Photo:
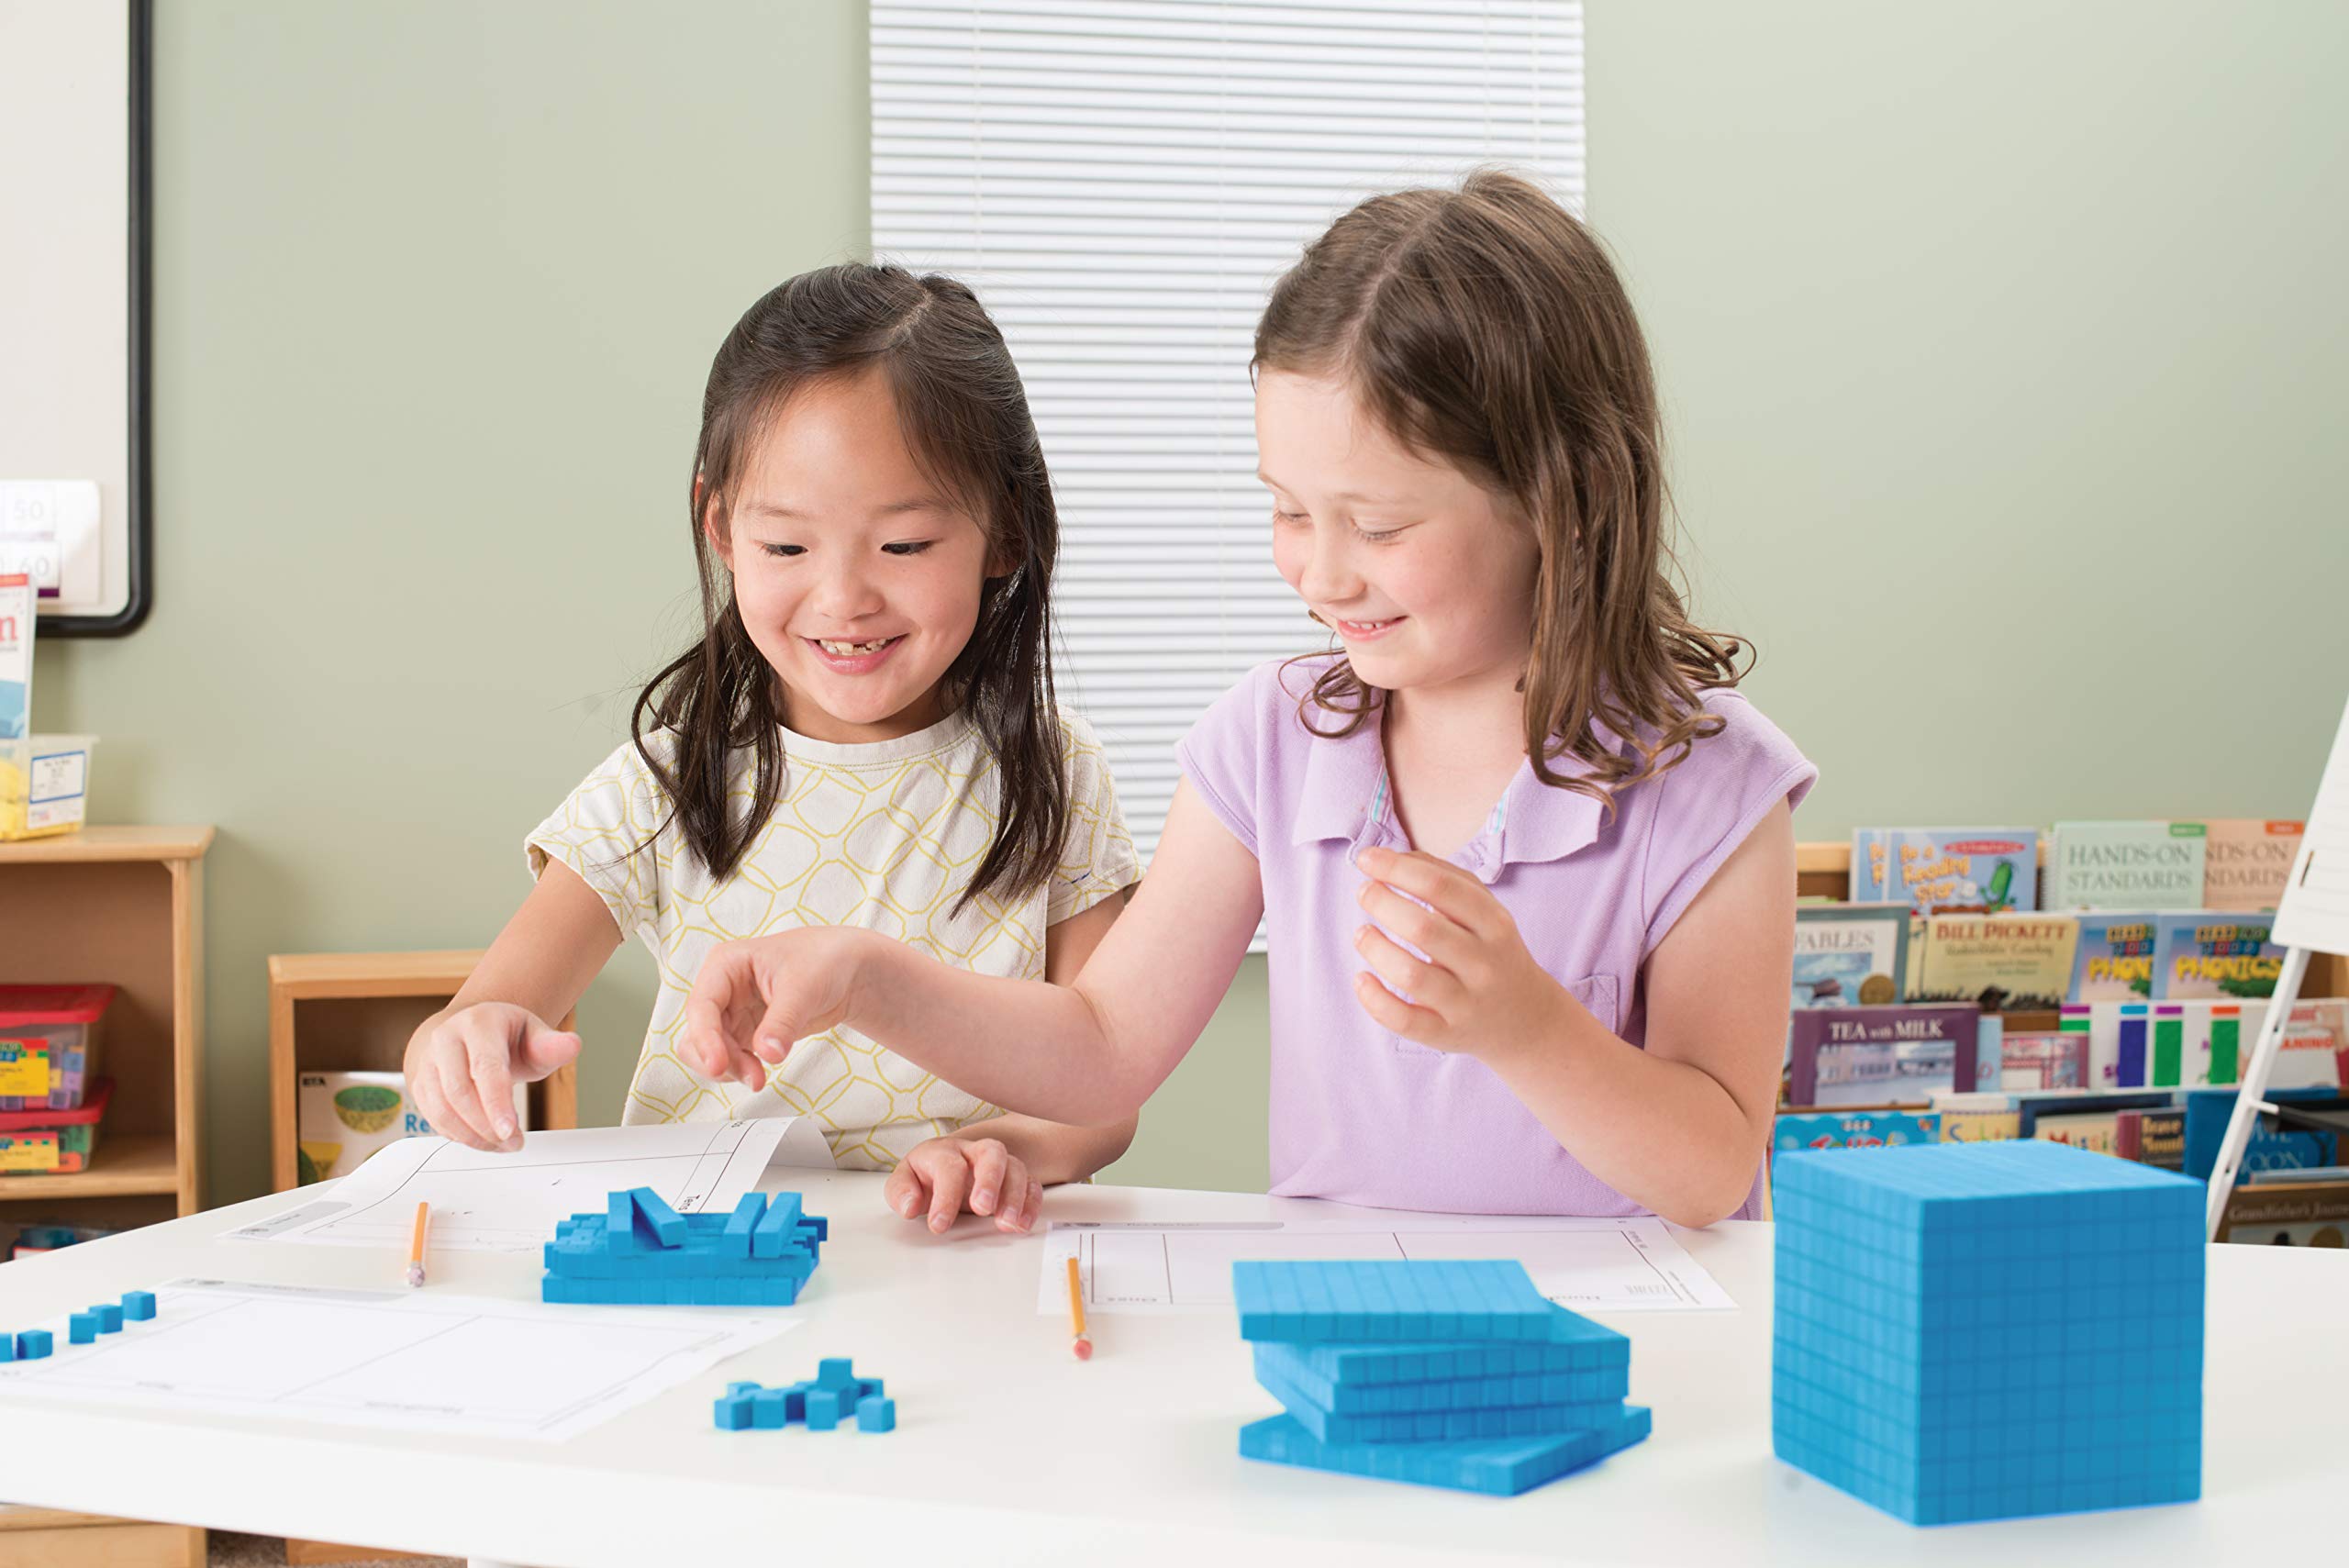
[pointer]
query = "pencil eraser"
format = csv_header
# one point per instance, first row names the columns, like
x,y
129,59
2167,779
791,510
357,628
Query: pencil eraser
x,y
1083,1348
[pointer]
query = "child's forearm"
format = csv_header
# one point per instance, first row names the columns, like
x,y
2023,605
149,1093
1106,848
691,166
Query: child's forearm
x,y
1620,1111
1052,1151
1043,1049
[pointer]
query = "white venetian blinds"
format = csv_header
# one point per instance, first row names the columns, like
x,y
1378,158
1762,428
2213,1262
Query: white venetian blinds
x,y
1121,181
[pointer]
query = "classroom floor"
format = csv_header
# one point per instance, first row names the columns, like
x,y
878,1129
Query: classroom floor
x,y
231,1551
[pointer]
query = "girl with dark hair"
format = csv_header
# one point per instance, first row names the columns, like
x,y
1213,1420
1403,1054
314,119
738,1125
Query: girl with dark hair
x,y
1524,858
864,736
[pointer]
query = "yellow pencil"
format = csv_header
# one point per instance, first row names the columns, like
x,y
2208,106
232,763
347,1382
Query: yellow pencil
x,y
415,1247
1078,1341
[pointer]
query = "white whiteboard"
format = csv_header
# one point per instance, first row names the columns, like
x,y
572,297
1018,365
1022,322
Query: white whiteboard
x,y
73,232
2315,911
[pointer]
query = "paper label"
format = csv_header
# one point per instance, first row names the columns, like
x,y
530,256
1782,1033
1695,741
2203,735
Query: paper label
x,y
24,1067
29,1152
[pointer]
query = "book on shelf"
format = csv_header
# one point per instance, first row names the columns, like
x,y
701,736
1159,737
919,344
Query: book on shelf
x,y
2087,1121
2302,1176
2152,1137
1880,1056
1998,961
2125,865
2204,1042
1850,954
1855,1130
2297,1214
2098,1132
2043,1059
2246,860
1978,1117
2113,960
1957,871
2211,952
2207,1112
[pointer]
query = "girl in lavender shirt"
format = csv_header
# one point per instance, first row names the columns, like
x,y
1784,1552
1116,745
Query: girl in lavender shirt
x,y
1525,858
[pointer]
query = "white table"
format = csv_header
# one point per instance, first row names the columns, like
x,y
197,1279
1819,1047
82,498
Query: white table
x,y
1009,1450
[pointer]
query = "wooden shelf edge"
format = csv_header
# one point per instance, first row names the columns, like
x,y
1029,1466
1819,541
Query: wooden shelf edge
x,y
319,976
129,1164
93,845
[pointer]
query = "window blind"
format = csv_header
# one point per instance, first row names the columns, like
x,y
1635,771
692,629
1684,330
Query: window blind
x,y
1121,181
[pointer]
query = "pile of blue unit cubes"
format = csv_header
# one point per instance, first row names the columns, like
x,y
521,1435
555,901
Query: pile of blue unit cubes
x,y
642,1252
1988,1330
1451,1374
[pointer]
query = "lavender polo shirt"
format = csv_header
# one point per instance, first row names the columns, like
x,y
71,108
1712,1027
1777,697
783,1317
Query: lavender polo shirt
x,y
1364,1116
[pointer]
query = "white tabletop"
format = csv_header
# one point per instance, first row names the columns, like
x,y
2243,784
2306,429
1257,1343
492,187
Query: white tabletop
x,y
1009,1450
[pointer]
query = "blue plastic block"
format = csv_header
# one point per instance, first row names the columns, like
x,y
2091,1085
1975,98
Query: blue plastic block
x,y
823,1409
1575,1344
138,1305
1389,1300
1988,1330
7,1347
1292,1364
734,1242
82,1328
620,1219
776,1229
1440,1425
653,1211
1499,1466
835,1372
733,1413
109,1317
32,1345
874,1414
771,1409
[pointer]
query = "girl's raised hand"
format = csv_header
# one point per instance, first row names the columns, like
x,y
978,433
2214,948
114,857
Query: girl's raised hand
x,y
1479,989
462,1070
755,996
946,1175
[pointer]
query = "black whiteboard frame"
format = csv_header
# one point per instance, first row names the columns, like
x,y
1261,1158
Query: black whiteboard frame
x,y
138,470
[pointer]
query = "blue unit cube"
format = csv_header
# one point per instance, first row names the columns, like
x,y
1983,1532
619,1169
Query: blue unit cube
x,y
82,1328
876,1414
32,1345
109,1317
1988,1330
138,1305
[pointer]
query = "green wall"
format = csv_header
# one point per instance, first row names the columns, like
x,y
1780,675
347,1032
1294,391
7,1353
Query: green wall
x,y
2002,348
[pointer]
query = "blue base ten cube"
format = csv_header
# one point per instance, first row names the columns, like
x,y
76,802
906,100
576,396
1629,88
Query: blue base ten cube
x,y
1987,1330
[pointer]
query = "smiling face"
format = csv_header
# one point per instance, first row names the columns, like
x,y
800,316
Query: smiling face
x,y
1425,576
857,579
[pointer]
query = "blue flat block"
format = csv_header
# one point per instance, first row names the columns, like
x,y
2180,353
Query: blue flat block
x,y
732,1413
1499,1467
1439,1426
1386,1301
654,1213
735,1242
1576,1345
824,1406
874,1414
556,1288
109,1317
138,1305
82,1328
32,1345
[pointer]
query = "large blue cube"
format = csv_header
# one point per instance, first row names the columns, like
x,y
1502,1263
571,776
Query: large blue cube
x,y
1987,1330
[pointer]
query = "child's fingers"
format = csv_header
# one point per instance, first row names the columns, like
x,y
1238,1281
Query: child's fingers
x,y
1020,1215
1396,1016
906,1191
488,1058
545,1052
461,1118
950,1183
723,990
1437,882
1430,985
1437,935
990,1161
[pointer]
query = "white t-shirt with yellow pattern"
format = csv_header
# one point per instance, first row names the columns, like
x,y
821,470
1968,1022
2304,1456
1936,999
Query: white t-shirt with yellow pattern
x,y
883,835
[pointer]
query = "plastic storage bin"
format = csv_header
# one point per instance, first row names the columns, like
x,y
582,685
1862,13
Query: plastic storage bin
x,y
49,1037
52,1143
44,784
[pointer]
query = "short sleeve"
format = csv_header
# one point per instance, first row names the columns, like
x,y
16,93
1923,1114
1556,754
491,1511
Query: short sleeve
x,y
1097,856
1710,802
1218,756
605,832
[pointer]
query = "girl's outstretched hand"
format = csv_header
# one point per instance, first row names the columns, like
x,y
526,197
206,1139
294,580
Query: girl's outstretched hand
x,y
941,1178
462,1070
1478,990
755,996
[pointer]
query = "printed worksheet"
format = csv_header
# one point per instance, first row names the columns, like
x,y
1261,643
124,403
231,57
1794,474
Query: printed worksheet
x,y
510,1203
413,1360
1590,1266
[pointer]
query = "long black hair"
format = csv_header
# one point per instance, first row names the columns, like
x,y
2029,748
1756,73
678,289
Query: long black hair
x,y
965,417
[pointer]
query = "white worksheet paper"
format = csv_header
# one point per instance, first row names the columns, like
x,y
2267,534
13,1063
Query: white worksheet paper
x,y
511,1203
1590,1266
413,1360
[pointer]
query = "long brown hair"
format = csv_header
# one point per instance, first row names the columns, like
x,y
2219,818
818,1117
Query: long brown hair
x,y
965,417
1485,328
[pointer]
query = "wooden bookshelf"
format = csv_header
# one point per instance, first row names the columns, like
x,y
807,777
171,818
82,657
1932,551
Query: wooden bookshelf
x,y
355,1012
124,906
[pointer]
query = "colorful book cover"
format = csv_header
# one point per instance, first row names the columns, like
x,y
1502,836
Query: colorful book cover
x,y
2057,1061
1848,954
17,605
2097,1132
1956,871
2209,953
2114,958
2311,1214
2151,1138
1977,1118
1855,1130
1999,963
2125,865
2246,860
2207,1114
1879,1056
